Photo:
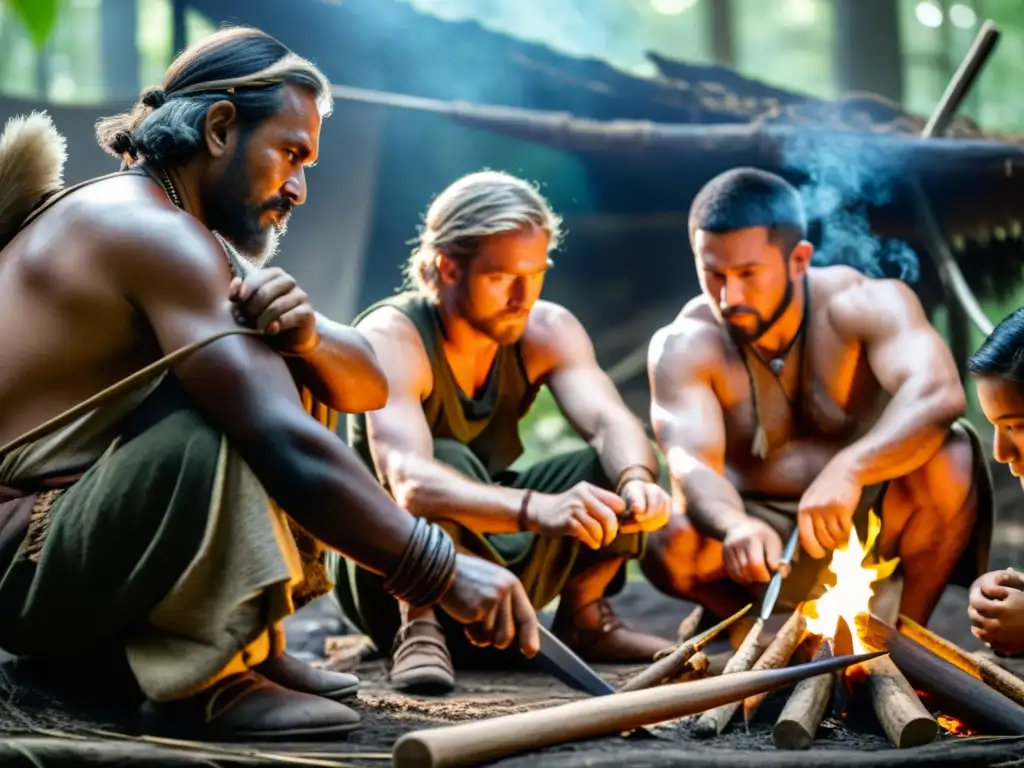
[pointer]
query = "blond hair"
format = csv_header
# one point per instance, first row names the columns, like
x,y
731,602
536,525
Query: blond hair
x,y
474,207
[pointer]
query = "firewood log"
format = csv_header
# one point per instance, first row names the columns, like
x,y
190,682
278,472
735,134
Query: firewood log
x,y
902,715
776,655
1000,679
673,661
798,723
713,721
958,693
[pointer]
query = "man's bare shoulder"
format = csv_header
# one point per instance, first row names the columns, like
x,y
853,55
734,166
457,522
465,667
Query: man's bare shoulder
x,y
548,319
693,342
390,324
856,307
128,231
399,348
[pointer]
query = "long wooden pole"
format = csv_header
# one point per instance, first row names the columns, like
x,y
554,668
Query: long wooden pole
x,y
486,740
1003,681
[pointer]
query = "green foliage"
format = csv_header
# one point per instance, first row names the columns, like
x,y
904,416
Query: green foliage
x,y
38,16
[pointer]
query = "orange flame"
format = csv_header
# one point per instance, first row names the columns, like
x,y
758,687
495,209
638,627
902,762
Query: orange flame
x,y
853,589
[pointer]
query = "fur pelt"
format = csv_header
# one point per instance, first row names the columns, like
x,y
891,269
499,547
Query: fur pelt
x,y
32,155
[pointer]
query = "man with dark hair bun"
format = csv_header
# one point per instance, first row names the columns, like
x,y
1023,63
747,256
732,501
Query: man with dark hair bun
x,y
789,395
170,480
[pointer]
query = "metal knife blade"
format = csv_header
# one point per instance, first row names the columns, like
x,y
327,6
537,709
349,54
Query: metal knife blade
x,y
558,659
771,594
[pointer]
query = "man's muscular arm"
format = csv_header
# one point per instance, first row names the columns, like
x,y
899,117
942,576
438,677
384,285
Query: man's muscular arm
x,y
342,371
403,448
689,426
559,353
914,365
245,389
332,360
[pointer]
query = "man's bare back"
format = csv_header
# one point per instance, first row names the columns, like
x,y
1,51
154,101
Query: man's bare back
x,y
842,395
67,277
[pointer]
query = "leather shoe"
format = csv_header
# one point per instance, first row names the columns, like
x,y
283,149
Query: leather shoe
x,y
291,673
249,707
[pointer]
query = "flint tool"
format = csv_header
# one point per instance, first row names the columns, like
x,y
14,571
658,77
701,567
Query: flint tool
x,y
556,658
771,594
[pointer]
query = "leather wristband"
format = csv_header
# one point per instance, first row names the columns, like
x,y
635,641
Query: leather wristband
x,y
522,519
634,472
427,568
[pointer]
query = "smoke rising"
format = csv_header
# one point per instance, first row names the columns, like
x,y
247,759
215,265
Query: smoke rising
x,y
845,177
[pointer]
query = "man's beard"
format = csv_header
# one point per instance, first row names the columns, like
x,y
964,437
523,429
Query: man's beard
x,y
228,210
763,325
499,328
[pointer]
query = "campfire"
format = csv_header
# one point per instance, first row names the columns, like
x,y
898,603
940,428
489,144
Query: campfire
x,y
858,613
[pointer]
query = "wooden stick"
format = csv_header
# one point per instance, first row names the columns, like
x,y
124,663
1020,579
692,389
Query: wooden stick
x,y
805,708
713,721
776,655
695,669
488,740
902,715
1000,679
959,694
688,626
670,664
984,669
705,637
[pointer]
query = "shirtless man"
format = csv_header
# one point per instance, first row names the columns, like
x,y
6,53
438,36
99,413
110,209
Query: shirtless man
x,y
791,395
465,352
175,522
996,600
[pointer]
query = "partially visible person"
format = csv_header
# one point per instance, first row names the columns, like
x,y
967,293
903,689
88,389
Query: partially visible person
x,y
996,601
165,496
465,351
787,395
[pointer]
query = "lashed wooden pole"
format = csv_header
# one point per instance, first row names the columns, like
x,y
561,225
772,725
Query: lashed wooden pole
x,y
800,718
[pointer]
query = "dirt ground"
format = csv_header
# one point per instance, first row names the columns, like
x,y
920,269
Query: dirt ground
x,y
388,715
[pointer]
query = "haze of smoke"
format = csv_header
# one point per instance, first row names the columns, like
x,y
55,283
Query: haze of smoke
x,y
846,176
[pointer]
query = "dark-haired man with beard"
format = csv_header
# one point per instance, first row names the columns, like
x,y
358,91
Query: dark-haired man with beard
x,y
788,395
465,352
169,482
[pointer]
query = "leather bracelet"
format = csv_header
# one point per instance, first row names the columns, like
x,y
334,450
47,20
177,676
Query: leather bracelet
x,y
522,520
634,472
427,568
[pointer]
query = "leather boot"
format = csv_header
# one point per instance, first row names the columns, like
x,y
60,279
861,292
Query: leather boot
x,y
599,636
420,661
291,673
249,707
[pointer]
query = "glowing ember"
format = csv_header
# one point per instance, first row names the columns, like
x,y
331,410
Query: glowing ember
x,y
853,588
954,726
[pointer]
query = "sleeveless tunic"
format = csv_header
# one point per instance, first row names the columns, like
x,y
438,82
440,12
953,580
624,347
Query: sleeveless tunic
x,y
487,424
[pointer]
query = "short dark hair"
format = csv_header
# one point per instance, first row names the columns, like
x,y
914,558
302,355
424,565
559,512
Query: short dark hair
x,y
749,197
241,64
1002,353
